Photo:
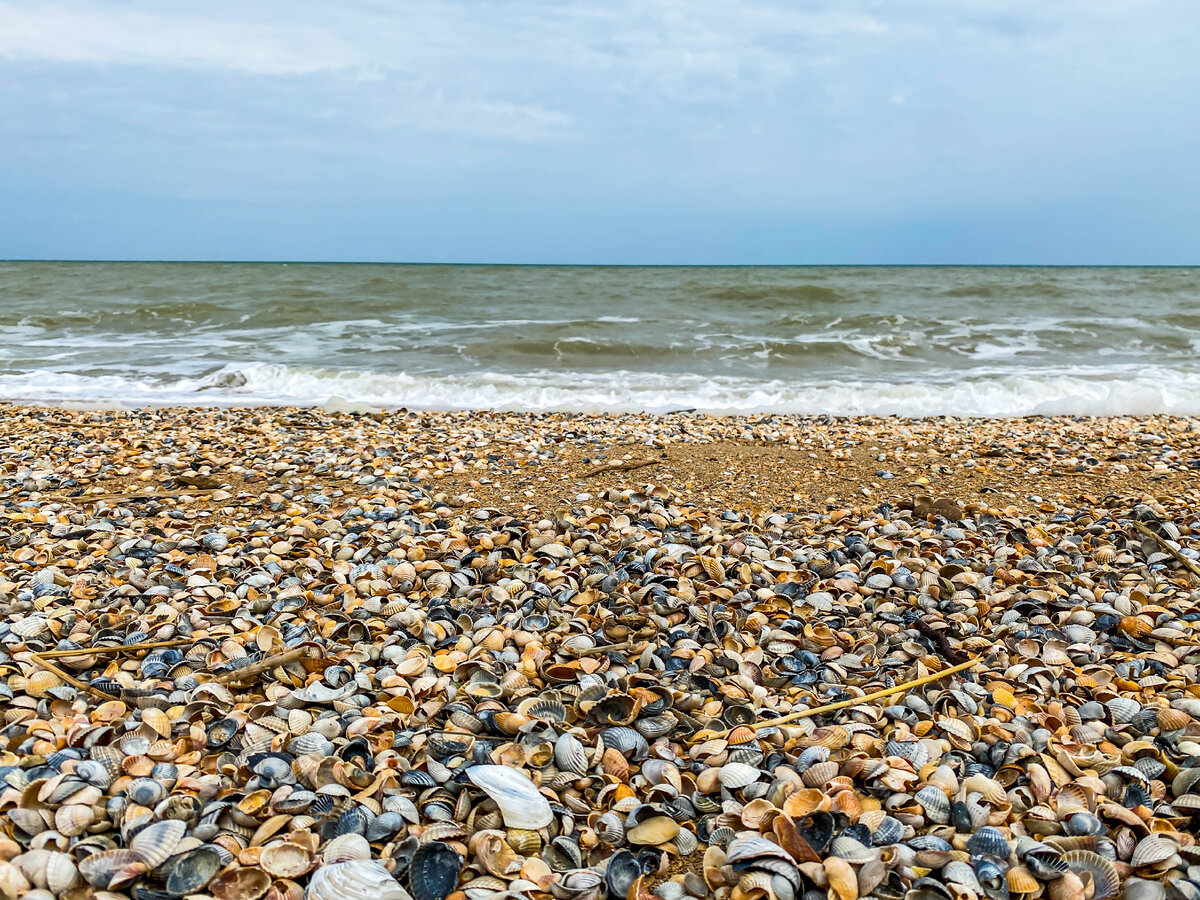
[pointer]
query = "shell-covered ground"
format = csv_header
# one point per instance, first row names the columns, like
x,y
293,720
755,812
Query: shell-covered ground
x,y
280,653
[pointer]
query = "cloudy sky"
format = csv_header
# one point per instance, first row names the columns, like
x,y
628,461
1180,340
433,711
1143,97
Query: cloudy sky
x,y
627,131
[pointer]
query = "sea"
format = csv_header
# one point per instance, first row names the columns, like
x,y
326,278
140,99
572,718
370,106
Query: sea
x,y
908,341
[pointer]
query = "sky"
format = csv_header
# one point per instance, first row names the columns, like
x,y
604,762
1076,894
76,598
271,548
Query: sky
x,y
614,131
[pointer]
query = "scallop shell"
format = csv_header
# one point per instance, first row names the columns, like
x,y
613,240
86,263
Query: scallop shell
x,y
361,879
520,803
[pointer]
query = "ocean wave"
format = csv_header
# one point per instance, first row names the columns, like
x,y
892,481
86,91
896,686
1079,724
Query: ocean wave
x,y
1025,392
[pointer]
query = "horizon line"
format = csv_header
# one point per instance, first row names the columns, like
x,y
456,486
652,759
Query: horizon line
x,y
601,265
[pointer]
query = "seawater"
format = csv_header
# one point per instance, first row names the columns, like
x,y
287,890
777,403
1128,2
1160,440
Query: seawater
x,y
840,340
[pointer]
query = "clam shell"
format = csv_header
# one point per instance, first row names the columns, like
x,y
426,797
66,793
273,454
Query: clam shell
x,y
434,871
355,879
192,871
286,860
112,868
520,803
654,831
935,803
1153,850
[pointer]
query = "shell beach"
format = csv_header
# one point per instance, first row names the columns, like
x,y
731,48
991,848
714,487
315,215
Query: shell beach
x,y
281,653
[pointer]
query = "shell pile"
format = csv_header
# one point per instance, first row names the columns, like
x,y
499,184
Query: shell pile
x,y
389,697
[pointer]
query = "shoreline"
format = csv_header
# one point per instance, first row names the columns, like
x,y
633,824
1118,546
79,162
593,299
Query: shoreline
x,y
544,461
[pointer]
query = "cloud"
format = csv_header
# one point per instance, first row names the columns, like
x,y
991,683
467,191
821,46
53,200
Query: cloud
x,y
125,36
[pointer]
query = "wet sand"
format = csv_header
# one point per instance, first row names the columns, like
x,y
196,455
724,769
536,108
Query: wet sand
x,y
523,463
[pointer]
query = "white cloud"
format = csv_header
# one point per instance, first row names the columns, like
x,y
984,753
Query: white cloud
x,y
92,34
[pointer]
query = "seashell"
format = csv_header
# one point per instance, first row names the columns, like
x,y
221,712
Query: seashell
x,y
622,871
434,870
286,860
935,803
1105,879
1172,719
843,882
989,841
240,884
361,879
192,871
1123,709
59,873
74,819
1083,823
1022,881
736,776
747,849
852,851
520,803
888,831
112,868
155,843
654,831
346,847
1153,850
818,774
569,754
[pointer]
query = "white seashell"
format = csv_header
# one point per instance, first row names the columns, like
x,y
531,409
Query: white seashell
x,y
319,692
360,879
569,754
737,775
60,873
346,848
520,803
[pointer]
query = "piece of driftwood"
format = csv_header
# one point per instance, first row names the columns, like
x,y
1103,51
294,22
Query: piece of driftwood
x,y
1190,564
853,701
247,672
41,659
601,649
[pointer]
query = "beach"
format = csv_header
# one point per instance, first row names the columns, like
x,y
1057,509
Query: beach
x,y
605,615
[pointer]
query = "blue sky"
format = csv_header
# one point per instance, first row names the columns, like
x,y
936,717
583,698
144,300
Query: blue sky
x,y
623,131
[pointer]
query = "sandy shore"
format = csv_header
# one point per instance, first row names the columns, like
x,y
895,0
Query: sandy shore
x,y
584,656
538,463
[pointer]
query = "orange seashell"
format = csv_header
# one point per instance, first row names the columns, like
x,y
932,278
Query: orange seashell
x,y
614,764
1170,719
742,734
1135,626
843,881
802,802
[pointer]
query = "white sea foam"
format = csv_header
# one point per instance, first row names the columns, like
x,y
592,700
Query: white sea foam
x,y
986,393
